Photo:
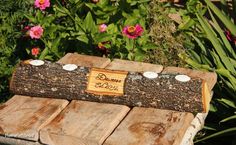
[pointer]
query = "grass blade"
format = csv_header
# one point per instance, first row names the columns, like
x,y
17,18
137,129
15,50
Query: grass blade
x,y
228,119
227,22
222,35
215,42
223,132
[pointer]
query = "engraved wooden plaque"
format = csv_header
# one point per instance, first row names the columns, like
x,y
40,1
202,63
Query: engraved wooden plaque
x,y
106,82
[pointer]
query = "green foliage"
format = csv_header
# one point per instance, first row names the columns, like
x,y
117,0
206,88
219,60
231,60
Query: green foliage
x,y
11,21
214,51
74,26
70,26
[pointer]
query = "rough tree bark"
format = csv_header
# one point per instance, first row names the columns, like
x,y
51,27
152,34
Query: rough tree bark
x,y
163,92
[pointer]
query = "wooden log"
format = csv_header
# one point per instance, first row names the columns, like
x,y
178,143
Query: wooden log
x,y
209,77
163,92
198,122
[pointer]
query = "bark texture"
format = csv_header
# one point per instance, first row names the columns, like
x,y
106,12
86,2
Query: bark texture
x,y
164,92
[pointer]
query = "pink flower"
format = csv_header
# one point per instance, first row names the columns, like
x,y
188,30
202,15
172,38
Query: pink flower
x,y
42,4
36,32
35,51
102,28
133,32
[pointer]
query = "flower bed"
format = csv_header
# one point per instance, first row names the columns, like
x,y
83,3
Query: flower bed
x,y
134,30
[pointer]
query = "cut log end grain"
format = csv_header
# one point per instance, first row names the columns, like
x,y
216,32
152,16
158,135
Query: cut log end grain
x,y
164,92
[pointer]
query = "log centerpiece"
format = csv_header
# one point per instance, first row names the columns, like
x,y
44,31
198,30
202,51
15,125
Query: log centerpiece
x,y
127,88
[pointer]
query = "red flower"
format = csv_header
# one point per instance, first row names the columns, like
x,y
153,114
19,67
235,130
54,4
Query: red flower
x,y
133,32
35,51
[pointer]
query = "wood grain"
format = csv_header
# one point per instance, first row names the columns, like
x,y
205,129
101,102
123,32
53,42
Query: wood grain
x,y
198,122
23,116
84,60
112,80
14,141
144,126
83,123
132,66
148,126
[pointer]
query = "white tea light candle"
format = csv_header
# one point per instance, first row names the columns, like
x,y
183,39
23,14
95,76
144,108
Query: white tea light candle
x,y
70,67
182,78
36,62
150,75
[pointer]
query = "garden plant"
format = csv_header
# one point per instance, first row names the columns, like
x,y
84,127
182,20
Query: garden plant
x,y
214,30
204,39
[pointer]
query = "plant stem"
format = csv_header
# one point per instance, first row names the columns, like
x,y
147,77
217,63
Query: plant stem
x,y
132,51
45,51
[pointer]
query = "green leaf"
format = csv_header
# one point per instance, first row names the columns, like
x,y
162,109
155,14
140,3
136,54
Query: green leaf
x,y
228,118
90,5
139,55
83,38
222,35
31,18
49,57
130,56
206,59
227,102
44,53
149,46
195,56
217,60
55,45
129,44
50,30
224,19
200,44
112,29
213,108
215,42
223,132
209,128
193,63
102,37
187,24
226,73
89,24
